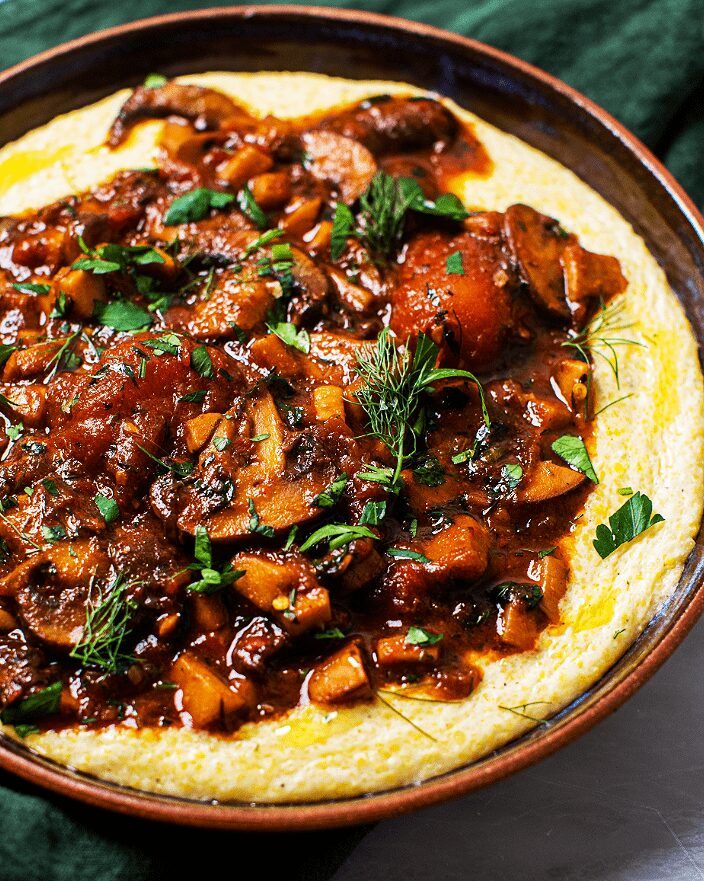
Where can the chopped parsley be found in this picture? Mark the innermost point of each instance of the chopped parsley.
(41, 703)
(255, 524)
(453, 264)
(407, 554)
(248, 206)
(421, 637)
(331, 496)
(109, 509)
(201, 362)
(25, 287)
(52, 534)
(123, 315)
(289, 333)
(195, 205)
(211, 579)
(338, 535)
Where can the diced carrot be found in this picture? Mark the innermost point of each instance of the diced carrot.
(271, 189)
(198, 431)
(206, 697)
(209, 612)
(271, 352)
(302, 217)
(551, 574)
(310, 609)
(328, 401)
(517, 627)
(245, 163)
(394, 650)
(84, 290)
(341, 677)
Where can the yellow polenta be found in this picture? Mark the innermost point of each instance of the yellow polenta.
(652, 442)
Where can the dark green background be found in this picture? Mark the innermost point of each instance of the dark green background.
(641, 59)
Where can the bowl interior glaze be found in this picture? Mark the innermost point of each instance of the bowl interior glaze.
(508, 93)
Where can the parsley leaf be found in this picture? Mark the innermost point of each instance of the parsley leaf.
(255, 524)
(631, 519)
(407, 554)
(109, 509)
(453, 264)
(25, 287)
(116, 258)
(122, 315)
(201, 362)
(195, 205)
(574, 452)
(331, 496)
(373, 513)
(420, 636)
(339, 535)
(180, 469)
(5, 351)
(195, 397)
(42, 703)
(211, 579)
(52, 534)
(334, 633)
(248, 206)
(289, 333)
(429, 472)
(511, 475)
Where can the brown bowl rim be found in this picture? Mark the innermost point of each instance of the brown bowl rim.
(372, 807)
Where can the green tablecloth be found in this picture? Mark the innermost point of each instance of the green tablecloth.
(641, 59)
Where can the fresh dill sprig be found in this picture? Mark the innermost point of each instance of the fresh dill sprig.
(405, 718)
(108, 616)
(602, 338)
(383, 209)
(382, 212)
(394, 384)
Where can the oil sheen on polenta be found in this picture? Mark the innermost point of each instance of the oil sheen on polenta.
(652, 441)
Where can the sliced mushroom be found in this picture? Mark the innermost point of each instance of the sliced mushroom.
(255, 643)
(537, 242)
(206, 107)
(259, 481)
(570, 383)
(20, 667)
(51, 590)
(388, 125)
(588, 275)
(546, 480)
(341, 161)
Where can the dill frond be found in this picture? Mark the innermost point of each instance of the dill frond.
(108, 616)
(602, 337)
(383, 207)
(394, 384)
